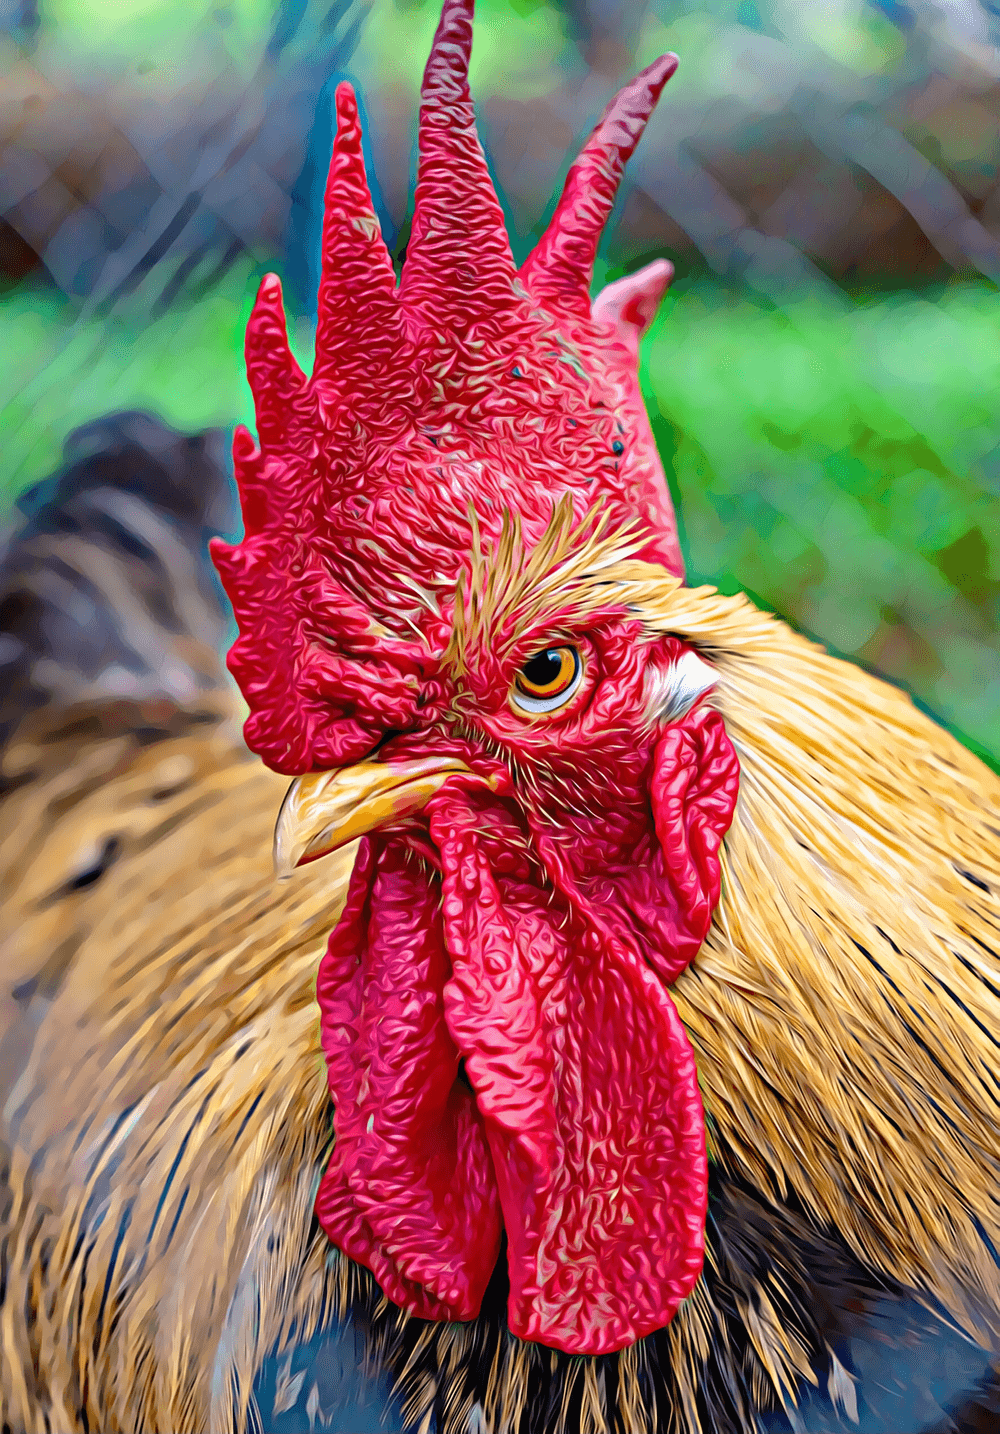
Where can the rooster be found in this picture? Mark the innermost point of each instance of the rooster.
(648, 1077)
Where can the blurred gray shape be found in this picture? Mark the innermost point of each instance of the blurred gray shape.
(107, 595)
(606, 30)
(18, 17)
(24, 172)
(862, 138)
(733, 247)
(205, 176)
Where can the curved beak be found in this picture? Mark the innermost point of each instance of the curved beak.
(326, 810)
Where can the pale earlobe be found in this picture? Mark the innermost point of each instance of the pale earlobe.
(631, 302)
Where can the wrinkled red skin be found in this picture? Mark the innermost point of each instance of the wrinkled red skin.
(534, 940)
(529, 931)
(471, 383)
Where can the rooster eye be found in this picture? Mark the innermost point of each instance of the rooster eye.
(547, 680)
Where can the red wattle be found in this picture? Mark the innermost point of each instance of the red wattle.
(586, 1130)
(587, 1085)
(409, 1191)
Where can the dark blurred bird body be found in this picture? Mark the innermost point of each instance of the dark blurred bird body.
(174, 1214)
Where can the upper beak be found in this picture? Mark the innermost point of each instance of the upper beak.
(326, 810)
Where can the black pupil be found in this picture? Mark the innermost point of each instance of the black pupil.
(544, 667)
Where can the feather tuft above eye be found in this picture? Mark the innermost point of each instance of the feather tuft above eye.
(673, 690)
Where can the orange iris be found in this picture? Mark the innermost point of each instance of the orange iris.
(548, 673)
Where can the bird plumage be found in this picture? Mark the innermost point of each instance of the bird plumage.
(668, 957)
(167, 1132)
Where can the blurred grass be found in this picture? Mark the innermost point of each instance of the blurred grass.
(838, 461)
(62, 371)
(841, 464)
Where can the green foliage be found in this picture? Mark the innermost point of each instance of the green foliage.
(145, 35)
(63, 371)
(518, 48)
(842, 464)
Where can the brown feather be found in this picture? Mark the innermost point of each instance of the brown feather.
(167, 1127)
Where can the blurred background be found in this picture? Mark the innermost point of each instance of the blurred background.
(824, 376)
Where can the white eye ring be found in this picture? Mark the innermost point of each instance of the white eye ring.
(527, 703)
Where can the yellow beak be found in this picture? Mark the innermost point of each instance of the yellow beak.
(326, 810)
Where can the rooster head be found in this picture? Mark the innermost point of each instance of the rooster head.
(458, 537)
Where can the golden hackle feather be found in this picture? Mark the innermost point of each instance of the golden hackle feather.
(845, 1008)
(171, 1118)
(175, 1077)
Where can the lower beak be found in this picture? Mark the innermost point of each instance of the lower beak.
(326, 810)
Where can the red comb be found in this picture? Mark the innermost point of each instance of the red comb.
(467, 385)
(559, 269)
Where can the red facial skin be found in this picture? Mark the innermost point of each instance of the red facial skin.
(530, 931)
